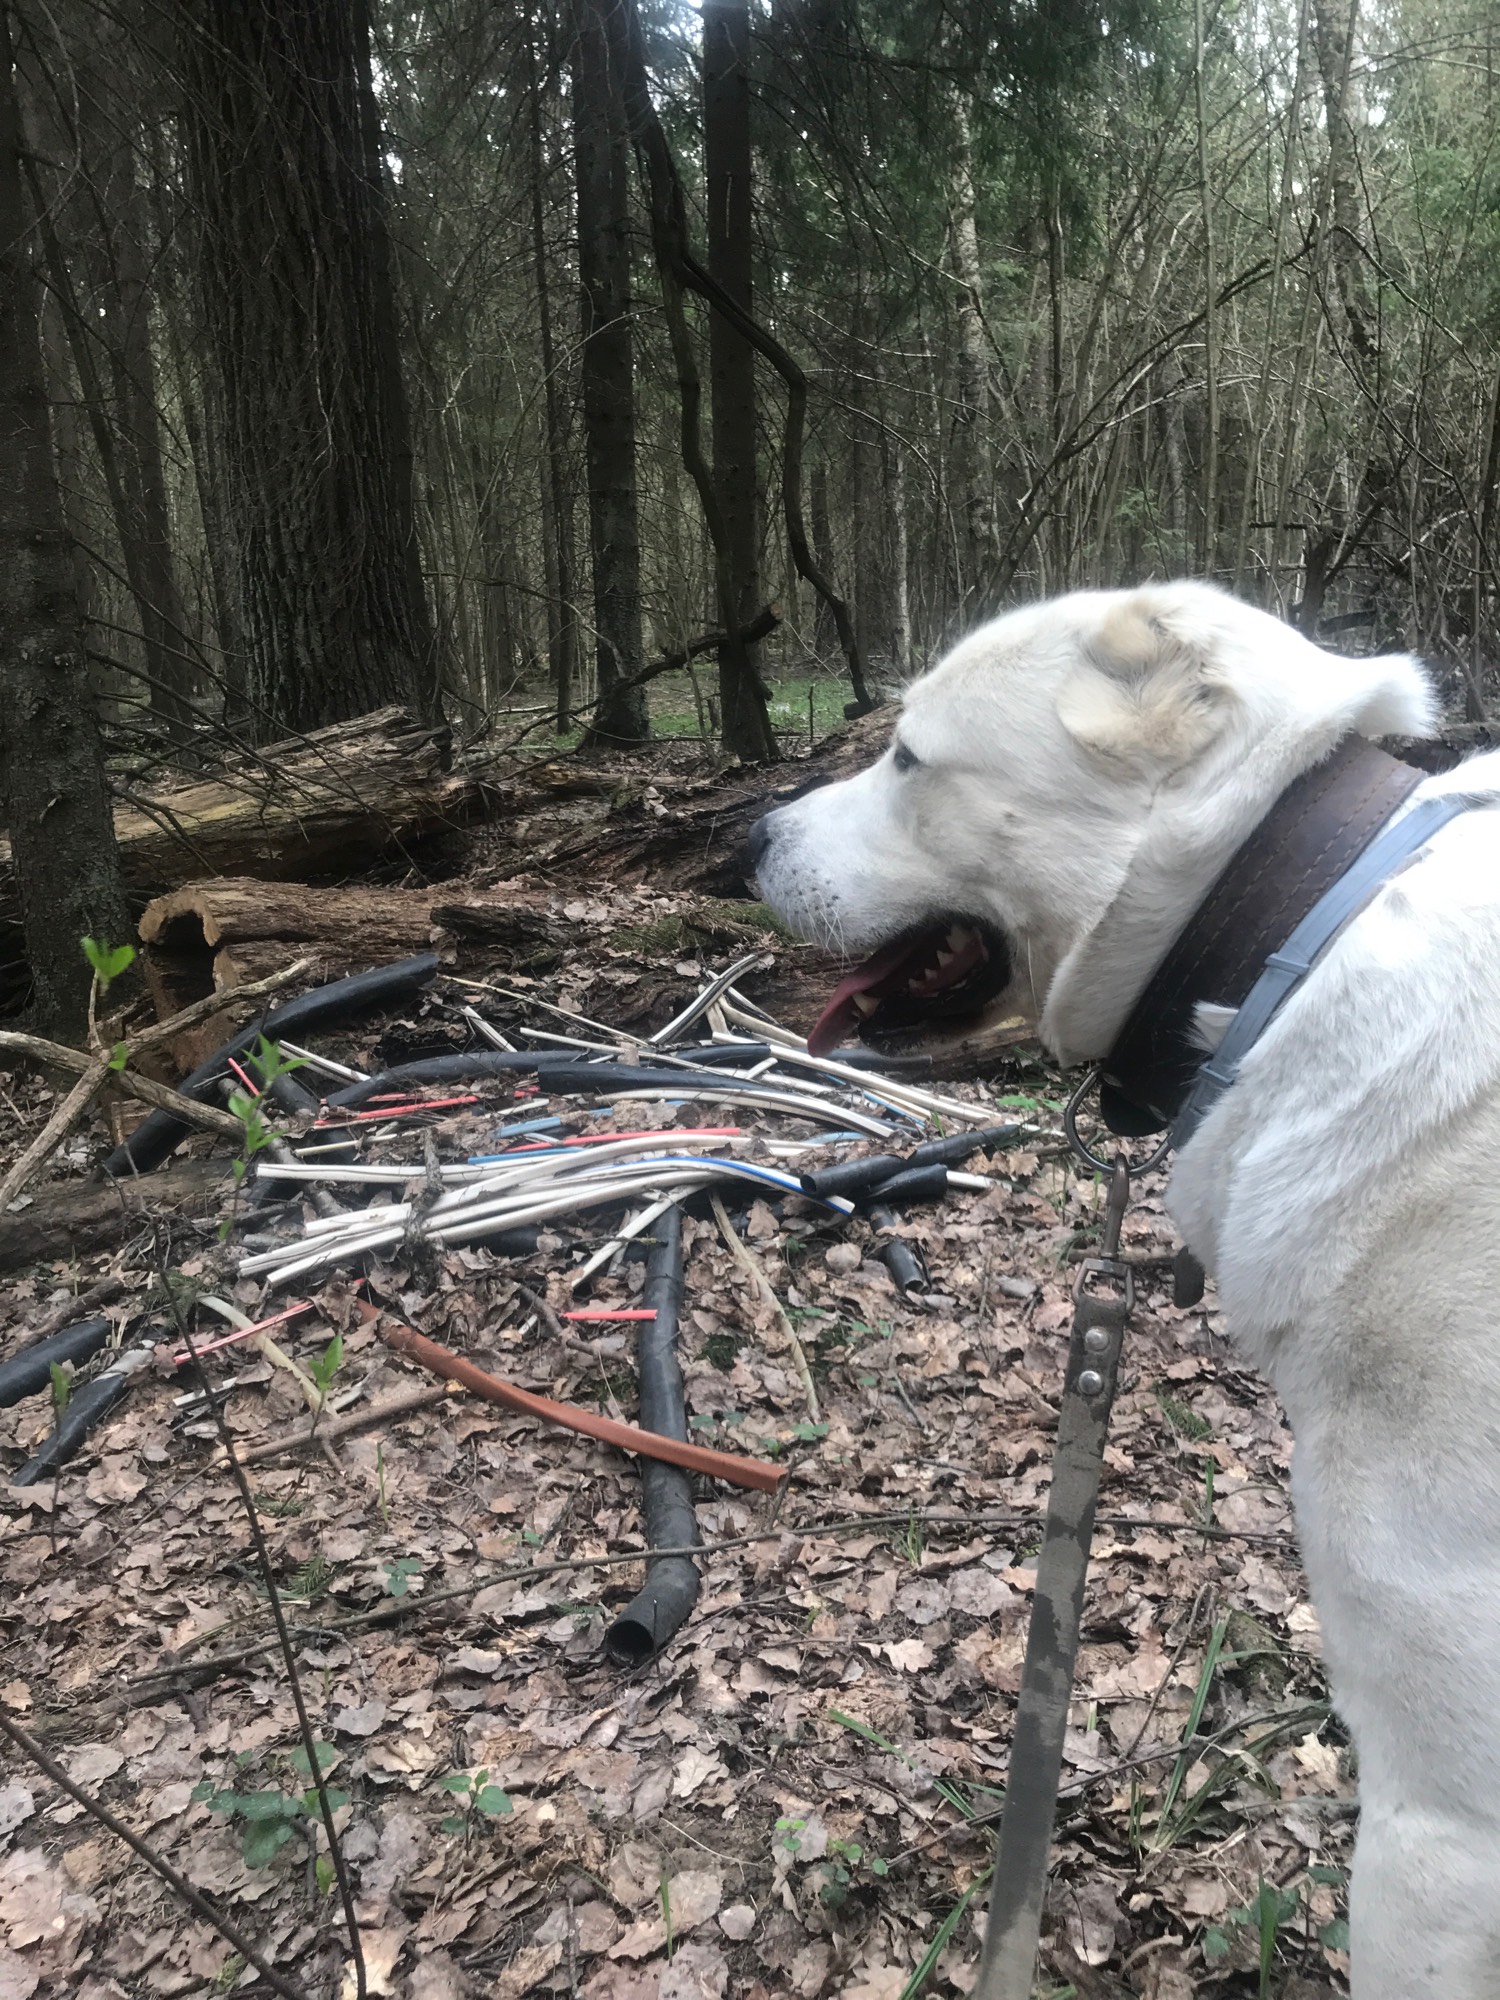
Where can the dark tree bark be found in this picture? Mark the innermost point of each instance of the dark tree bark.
(601, 151)
(282, 163)
(727, 165)
(52, 786)
(559, 553)
(76, 73)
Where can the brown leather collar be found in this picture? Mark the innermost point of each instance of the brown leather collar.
(1309, 838)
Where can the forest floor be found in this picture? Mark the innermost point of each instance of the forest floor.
(797, 1797)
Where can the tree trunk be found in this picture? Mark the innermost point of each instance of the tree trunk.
(97, 234)
(608, 369)
(52, 786)
(971, 467)
(559, 554)
(825, 638)
(727, 171)
(281, 160)
(1334, 29)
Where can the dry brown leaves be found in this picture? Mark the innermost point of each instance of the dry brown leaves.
(793, 1799)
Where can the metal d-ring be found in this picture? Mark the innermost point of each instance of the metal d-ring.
(1086, 1153)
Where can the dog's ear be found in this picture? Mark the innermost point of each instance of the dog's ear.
(1144, 692)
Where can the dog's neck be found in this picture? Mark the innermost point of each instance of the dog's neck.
(1132, 1000)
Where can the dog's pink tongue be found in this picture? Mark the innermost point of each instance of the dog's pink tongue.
(841, 1016)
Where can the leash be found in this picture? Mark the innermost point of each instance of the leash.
(1103, 1295)
(1316, 859)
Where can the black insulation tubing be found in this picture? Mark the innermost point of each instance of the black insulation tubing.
(30, 1371)
(670, 1591)
(566, 1074)
(88, 1405)
(162, 1132)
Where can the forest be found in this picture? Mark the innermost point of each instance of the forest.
(458, 463)
(578, 376)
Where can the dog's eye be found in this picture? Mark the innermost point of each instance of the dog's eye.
(906, 760)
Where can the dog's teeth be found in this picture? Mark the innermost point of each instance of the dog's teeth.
(865, 1004)
(958, 937)
(946, 957)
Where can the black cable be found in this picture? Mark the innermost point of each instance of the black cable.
(670, 1591)
(162, 1132)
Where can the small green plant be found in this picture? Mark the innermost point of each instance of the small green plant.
(475, 1794)
(267, 1820)
(838, 1871)
(107, 961)
(1185, 1421)
(1262, 1921)
(399, 1572)
(1166, 1832)
(325, 1367)
(62, 1392)
(308, 1582)
(269, 1063)
(666, 1914)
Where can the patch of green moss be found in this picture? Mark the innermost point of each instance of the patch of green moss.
(707, 926)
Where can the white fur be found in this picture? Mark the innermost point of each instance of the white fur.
(1087, 767)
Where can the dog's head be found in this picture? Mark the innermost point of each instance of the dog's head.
(1057, 794)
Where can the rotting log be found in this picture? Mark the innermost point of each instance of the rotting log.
(79, 1218)
(229, 930)
(693, 838)
(316, 805)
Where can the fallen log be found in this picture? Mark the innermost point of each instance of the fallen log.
(696, 841)
(80, 1218)
(230, 930)
(316, 805)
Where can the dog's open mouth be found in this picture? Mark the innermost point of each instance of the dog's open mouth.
(949, 968)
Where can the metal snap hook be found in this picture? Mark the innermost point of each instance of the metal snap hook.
(1086, 1153)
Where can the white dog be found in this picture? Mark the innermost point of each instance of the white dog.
(1060, 793)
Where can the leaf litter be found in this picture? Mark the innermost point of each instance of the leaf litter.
(798, 1797)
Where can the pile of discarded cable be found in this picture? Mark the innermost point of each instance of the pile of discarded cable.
(579, 1132)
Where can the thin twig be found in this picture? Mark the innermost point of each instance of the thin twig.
(283, 1636)
(179, 1884)
(747, 1263)
(159, 1095)
(56, 1129)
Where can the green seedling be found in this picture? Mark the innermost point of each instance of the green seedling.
(326, 1367)
(269, 1063)
(267, 1820)
(107, 961)
(1263, 1920)
(1195, 1716)
(399, 1573)
(838, 1871)
(475, 1794)
(964, 1807)
(306, 1584)
(666, 1914)
(62, 1391)
(1185, 1421)
(939, 1945)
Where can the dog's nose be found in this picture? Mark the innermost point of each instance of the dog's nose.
(758, 841)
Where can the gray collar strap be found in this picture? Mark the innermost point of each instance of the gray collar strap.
(1285, 970)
